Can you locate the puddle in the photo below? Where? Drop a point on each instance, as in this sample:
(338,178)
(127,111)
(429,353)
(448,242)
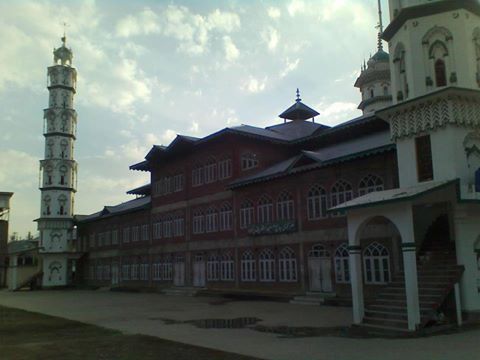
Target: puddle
(236,323)
(301,331)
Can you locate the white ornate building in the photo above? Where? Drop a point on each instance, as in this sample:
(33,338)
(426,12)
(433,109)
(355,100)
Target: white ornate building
(58,172)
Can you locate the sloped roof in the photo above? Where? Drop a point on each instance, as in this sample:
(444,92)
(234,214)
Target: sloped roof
(128,206)
(297,129)
(22,246)
(299,111)
(141,190)
(393,195)
(349,150)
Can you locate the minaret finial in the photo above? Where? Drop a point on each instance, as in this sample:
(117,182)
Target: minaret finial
(298,96)
(64,38)
(380,26)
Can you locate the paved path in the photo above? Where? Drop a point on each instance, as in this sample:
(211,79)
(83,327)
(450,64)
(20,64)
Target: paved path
(139,313)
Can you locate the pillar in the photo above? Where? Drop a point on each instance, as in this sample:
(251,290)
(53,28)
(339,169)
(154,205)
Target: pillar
(356,274)
(13,267)
(411,284)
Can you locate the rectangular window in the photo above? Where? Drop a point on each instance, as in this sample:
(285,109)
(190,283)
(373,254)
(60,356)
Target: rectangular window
(198,220)
(178,225)
(197,176)
(167,228)
(135,233)
(424,158)
(246,216)
(224,169)
(144,232)
(178,182)
(157,230)
(115,237)
(126,235)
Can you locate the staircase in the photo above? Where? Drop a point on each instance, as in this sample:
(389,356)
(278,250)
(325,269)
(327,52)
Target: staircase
(437,272)
(312,298)
(181,291)
(32,282)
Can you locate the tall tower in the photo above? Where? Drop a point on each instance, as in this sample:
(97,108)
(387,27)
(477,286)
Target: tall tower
(374,80)
(58,171)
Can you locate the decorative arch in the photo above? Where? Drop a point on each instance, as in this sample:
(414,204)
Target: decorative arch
(341,192)
(265,209)
(317,203)
(287,265)
(376,260)
(370,183)
(267,265)
(225,221)
(438,57)
(213,267)
(227,266)
(211,219)
(248,266)
(210,170)
(342,267)
(246,214)
(285,208)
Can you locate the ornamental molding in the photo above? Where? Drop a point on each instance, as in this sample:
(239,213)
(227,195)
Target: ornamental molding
(432,113)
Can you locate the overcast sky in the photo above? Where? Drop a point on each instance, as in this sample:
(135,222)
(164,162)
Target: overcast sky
(151,69)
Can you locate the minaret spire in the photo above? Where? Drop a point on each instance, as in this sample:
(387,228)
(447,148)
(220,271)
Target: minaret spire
(380,26)
(298,96)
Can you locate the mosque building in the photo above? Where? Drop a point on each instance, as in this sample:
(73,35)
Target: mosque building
(380,211)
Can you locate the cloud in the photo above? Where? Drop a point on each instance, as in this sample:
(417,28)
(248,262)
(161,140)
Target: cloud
(289,66)
(337,112)
(144,23)
(274,12)
(254,85)
(231,51)
(167,136)
(271,37)
(296,7)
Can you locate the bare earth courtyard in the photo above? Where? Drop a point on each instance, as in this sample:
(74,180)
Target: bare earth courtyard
(139,313)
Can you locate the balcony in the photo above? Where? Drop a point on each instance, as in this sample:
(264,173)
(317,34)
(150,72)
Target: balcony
(277,227)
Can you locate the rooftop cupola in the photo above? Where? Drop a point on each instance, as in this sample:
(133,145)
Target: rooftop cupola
(374,79)
(299,111)
(63,55)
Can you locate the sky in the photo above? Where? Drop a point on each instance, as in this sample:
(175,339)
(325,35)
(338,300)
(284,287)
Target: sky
(148,70)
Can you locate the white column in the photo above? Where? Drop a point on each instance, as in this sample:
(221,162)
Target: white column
(356,280)
(458,304)
(13,268)
(411,284)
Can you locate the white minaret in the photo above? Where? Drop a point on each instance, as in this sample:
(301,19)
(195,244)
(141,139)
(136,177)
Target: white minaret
(58,171)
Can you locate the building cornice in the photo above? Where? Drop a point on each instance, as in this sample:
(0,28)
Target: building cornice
(415,12)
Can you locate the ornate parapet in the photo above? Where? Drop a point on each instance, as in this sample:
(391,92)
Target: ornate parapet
(278,227)
(450,106)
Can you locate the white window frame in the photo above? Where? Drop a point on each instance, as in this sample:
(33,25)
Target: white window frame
(210,171)
(224,169)
(211,220)
(370,183)
(247,211)
(342,266)
(225,217)
(145,234)
(248,266)
(126,235)
(317,203)
(266,261)
(248,161)
(265,210)
(287,265)
(197,176)
(198,222)
(285,206)
(342,191)
(167,227)
(178,225)
(227,267)
(115,237)
(376,262)
(178,182)
(213,267)
(157,230)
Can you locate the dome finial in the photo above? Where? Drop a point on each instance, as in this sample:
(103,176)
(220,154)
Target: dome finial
(380,27)
(64,37)
(298,96)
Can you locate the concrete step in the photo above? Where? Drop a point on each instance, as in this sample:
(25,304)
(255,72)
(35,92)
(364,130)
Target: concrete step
(181,291)
(312,302)
(394,323)
(383,330)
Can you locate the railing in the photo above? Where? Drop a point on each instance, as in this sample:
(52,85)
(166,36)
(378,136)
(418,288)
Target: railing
(277,227)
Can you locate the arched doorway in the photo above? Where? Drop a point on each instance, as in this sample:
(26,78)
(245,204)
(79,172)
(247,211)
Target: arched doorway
(320,269)
(199,270)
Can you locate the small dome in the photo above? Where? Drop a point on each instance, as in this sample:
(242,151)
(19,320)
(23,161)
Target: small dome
(381,55)
(63,55)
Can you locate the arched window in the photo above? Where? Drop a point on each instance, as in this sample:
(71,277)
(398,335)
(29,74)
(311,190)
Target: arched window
(197,175)
(248,266)
(372,93)
(370,183)
(285,206)
(265,210)
(342,269)
(210,171)
(213,266)
(385,91)
(341,192)
(319,250)
(317,203)
(267,265)
(246,214)
(287,265)
(167,226)
(227,267)
(440,73)
(198,222)
(211,218)
(225,222)
(376,262)
(62,200)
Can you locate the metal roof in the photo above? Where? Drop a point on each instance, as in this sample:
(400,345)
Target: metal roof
(141,190)
(299,111)
(20,246)
(128,206)
(340,152)
(393,195)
